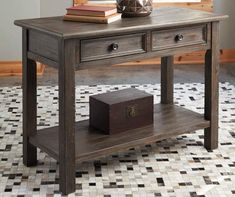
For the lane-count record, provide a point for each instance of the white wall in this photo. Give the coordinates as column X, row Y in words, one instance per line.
column 10, row 35
column 54, row 7
column 227, row 29
column 10, row 10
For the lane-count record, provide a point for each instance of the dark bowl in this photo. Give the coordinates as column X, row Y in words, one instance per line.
column 134, row 8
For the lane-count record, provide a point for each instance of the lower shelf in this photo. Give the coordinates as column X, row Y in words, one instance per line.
column 169, row 120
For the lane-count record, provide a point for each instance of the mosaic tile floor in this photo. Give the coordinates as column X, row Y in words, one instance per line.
column 178, row 167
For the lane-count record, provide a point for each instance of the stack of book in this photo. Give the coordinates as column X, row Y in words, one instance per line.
column 92, row 14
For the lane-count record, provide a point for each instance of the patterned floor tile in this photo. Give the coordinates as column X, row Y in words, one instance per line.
column 178, row 166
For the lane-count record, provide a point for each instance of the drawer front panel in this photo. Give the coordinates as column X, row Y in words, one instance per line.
column 179, row 37
column 116, row 46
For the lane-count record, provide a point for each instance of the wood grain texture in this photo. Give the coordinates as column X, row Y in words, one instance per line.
column 212, row 90
column 43, row 60
column 198, row 57
column 122, row 110
column 69, row 142
column 205, row 5
column 167, row 80
column 191, row 35
column 141, row 56
column 160, row 18
column 102, row 48
column 167, row 48
column 66, row 135
column 169, row 120
column 192, row 58
column 14, row 68
column 29, row 82
column 44, row 45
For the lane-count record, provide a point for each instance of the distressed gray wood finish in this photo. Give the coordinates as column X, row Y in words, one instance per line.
column 29, row 82
column 102, row 48
column 167, row 82
column 67, row 53
column 161, row 18
column 68, row 46
column 44, row 45
column 169, row 121
column 212, row 89
column 191, row 35
column 141, row 56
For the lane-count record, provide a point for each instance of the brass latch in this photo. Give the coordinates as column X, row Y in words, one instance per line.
column 131, row 111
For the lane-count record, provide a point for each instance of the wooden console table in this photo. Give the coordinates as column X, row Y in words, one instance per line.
column 69, row 46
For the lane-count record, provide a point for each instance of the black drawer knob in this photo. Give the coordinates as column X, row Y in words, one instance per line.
column 179, row 37
column 114, row 47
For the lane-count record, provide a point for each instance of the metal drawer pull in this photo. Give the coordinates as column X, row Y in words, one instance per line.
column 179, row 37
column 114, row 46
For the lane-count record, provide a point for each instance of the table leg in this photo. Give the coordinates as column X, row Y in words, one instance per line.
column 167, row 82
column 67, row 117
column 29, row 85
column 212, row 89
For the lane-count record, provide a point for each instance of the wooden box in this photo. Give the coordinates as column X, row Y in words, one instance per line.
column 119, row 111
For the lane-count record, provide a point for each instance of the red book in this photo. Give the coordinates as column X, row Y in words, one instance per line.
column 89, row 10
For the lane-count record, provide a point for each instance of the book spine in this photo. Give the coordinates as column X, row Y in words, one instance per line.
column 84, row 13
column 85, row 19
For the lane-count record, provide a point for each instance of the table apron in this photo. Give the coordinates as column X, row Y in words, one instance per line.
column 115, row 49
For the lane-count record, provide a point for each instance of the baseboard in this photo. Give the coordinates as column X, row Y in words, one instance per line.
column 226, row 56
column 14, row 68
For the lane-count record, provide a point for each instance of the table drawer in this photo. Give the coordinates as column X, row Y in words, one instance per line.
column 115, row 46
column 168, row 39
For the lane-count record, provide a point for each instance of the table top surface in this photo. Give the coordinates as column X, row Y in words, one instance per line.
column 160, row 18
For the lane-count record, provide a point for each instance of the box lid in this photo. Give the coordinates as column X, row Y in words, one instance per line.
column 120, row 96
